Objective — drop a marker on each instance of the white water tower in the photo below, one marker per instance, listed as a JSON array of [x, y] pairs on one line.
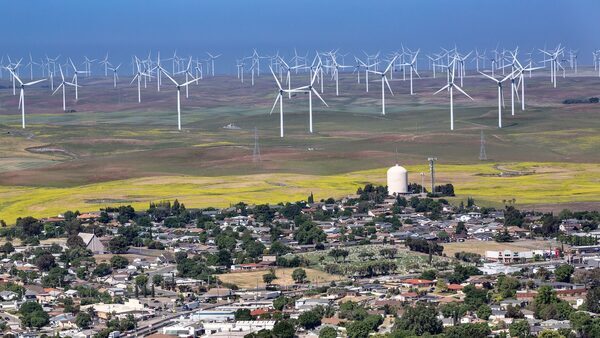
[[397, 180]]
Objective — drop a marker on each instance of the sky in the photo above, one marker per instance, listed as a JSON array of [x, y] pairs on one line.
[[234, 27]]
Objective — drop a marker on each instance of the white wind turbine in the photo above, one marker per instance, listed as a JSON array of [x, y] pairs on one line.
[[22, 94], [106, 64], [63, 84], [413, 68], [115, 75], [384, 82], [178, 86], [450, 87], [310, 89], [212, 61], [336, 73], [75, 73], [138, 77], [288, 76], [500, 94], [280, 99]]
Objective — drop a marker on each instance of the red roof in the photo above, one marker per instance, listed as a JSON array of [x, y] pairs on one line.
[[258, 312], [455, 287], [415, 281]]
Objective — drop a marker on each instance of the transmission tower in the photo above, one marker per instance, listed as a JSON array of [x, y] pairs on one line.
[[256, 153], [482, 154]]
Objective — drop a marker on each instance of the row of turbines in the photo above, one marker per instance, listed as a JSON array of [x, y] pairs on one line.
[[144, 70], [313, 71]]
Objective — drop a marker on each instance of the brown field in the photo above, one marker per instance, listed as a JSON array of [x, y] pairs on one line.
[[480, 247], [250, 279]]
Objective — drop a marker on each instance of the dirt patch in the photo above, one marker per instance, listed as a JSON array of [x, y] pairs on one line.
[[52, 150]]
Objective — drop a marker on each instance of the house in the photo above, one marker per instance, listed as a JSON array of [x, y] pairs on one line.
[[92, 243], [417, 283]]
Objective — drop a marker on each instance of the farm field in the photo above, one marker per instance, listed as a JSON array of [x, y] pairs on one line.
[[249, 279], [111, 150], [480, 247], [551, 183]]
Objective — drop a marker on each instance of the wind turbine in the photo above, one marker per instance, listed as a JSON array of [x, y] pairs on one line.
[[280, 99], [413, 68], [178, 86], [500, 94], [450, 87], [138, 77], [22, 94], [115, 75], [288, 77], [336, 72], [75, 73], [62, 84], [212, 61], [384, 82], [105, 63], [310, 89]]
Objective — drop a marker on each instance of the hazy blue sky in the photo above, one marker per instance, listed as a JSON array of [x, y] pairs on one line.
[[234, 27]]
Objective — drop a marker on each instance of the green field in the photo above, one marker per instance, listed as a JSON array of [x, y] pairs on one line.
[[113, 150]]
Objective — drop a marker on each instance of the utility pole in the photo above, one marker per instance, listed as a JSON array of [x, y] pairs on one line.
[[432, 171], [482, 154]]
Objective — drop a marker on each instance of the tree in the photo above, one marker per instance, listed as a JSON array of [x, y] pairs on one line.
[[478, 330], [118, 244], [358, 329], [32, 315], [118, 262], [157, 279], [592, 299], [280, 302], [7, 248], [102, 270], [54, 278], [283, 329], [83, 320], [420, 319], [388, 252], [563, 273], [75, 241], [309, 233], [328, 332], [243, 314], [580, 322], [30, 226], [268, 278], [309, 319], [141, 281], [550, 334], [520, 329], [299, 275], [45, 261], [484, 312], [277, 248]]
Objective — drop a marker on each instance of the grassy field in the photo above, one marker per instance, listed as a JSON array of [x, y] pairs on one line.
[[544, 183], [480, 247], [112, 150], [249, 279]]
